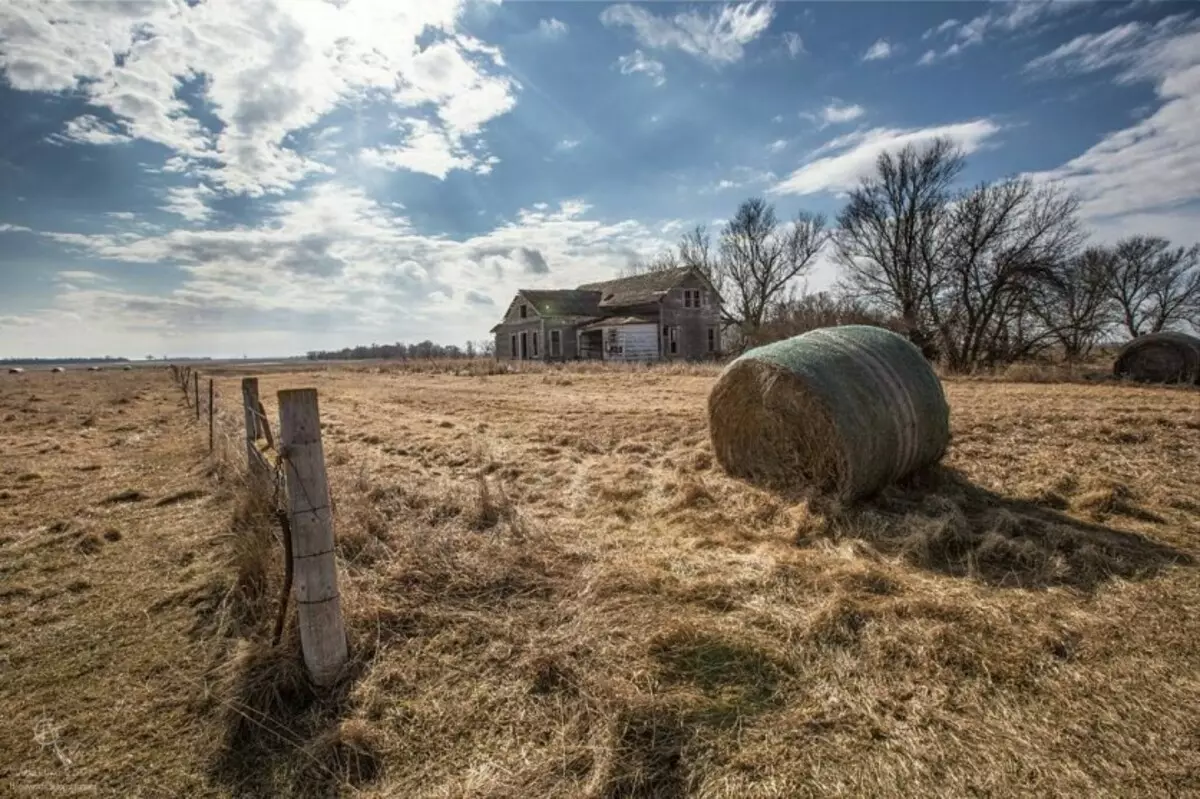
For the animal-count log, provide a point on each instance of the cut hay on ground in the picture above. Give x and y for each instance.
(843, 410)
(1160, 358)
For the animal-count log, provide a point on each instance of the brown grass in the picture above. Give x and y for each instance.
(551, 591)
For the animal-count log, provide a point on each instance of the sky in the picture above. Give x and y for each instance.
(265, 177)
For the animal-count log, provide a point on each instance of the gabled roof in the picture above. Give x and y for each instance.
(563, 302)
(638, 289)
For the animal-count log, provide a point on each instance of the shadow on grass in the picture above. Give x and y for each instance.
(941, 521)
(283, 735)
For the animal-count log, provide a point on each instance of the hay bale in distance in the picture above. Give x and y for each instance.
(1160, 358)
(843, 410)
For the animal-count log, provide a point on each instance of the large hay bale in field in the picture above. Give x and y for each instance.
(845, 410)
(1160, 358)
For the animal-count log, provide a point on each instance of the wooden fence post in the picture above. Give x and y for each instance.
(196, 391)
(211, 412)
(254, 461)
(319, 607)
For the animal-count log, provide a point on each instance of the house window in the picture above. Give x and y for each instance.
(513, 350)
(673, 340)
(691, 298)
(524, 311)
(712, 339)
(535, 352)
(555, 343)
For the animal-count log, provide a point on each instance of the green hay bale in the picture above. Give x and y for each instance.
(842, 410)
(1160, 358)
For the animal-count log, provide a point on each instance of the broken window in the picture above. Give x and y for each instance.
(712, 339)
(555, 343)
(535, 350)
(673, 340)
(513, 350)
(691, 298)
(524, 311)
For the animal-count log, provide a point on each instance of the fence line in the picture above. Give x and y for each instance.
(298, 488)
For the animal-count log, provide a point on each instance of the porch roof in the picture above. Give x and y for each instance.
(618, 321)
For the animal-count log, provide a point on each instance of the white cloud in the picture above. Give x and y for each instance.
(879, 50)
(1001, 18)
(427, 149)
(741, 177)
(857, 152)
(89, 129)
(794, 44)
(638, 62)
(717, 38)
(329, 266)
(837, 112)
(189, 202)
(7, 228)
(1119, 46)
(80, 276)
(263, 69)
(553, 28)
(949, 24)
(778, 145)
(1153, 165)
(567, 145)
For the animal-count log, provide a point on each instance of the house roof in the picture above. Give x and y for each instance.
(638, 289)
(563, 302)
(618, 321)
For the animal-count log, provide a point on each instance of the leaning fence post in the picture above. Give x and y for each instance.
(196, 391)
(211, 411)
(319, 608)
(254, 459)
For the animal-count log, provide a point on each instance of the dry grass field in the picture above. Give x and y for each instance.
(552, 591)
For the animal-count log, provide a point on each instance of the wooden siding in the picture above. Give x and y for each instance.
(543, 328)
(513, 314)
(635, 342)
(504, 342)
(692, 324)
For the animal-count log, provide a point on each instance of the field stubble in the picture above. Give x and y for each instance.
(551, 590)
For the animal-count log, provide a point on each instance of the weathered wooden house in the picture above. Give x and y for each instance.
(669, 315)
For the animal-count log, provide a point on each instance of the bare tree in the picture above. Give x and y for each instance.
(1000, 244)
(1155, 286)
(661, 262)
(760, 258)
(1076, 306)
(800, 312)
(889, 236)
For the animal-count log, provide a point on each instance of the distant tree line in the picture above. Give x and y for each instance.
(977, 277)
(400, 351)
(55, 361)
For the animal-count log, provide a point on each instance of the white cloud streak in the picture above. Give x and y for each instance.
(854, 155)
(718, 37)
(1153, 165)
(881, 49)
(637, 62)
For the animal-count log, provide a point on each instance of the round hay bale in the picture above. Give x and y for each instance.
(844, 410)
(1160, 358)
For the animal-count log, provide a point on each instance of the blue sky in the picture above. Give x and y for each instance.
(265, 177)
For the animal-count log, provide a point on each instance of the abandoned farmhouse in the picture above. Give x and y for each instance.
(673, 314)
